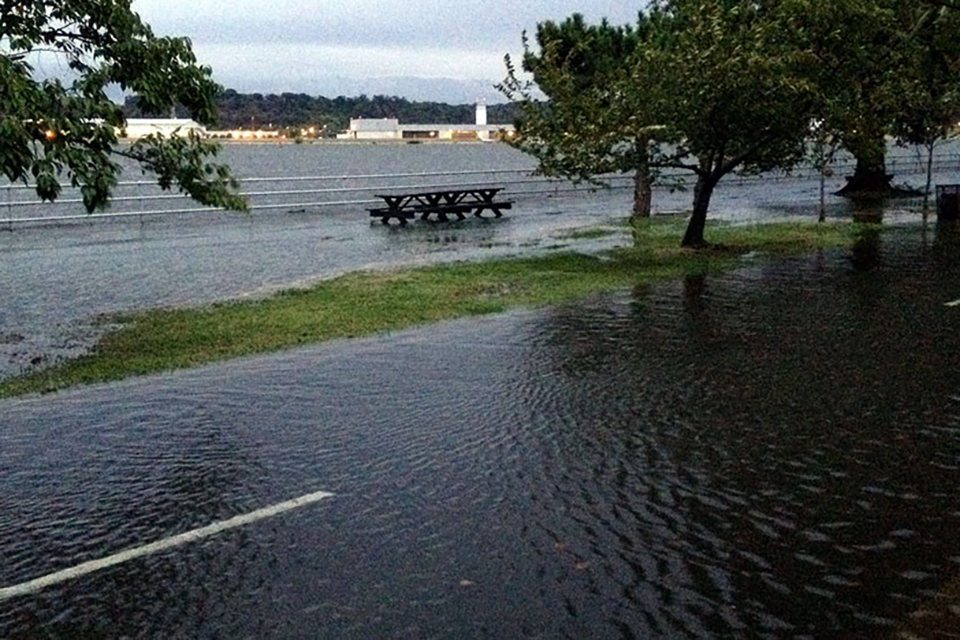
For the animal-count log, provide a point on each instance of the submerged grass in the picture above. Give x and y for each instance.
(589, 233)
(365, 303)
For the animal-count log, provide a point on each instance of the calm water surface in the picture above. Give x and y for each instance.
(770, 452)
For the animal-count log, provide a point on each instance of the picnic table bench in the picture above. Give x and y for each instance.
(441, 204)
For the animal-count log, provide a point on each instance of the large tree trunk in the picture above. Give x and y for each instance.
(870, 177)
(642, 183)
(698, 221)
(642, 193)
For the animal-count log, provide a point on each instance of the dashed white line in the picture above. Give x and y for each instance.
(955, 303)
(33, 586)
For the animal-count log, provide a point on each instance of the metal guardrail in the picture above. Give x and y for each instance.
(19, 203)
(302, 191)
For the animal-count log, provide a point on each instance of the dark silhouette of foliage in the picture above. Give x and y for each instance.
(55, 130)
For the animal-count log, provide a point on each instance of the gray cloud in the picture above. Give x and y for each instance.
(297, 45)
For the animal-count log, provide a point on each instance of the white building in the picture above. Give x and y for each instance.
(391, 129)
(372, 129)
(139, 127)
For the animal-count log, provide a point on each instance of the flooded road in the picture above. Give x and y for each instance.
(773, 451)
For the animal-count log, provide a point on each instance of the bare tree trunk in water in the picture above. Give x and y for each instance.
(642, 193)
(642, 183)
(823, 195)
(701, 203)
(870, 176)
(926, 190)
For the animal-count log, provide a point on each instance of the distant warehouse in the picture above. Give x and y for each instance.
(140, 127)
(391, 129)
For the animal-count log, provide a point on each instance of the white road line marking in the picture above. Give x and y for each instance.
(955, 303)
(43, 582)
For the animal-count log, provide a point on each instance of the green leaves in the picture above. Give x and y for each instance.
(711, 86)
(53, 132)
(733, 92)
(183, 161)
(720, 86)
(711, 82)
(593, 121)
(930, 99)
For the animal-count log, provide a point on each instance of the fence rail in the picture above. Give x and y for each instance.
(296, 193)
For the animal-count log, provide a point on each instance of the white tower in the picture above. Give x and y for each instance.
(481, 113)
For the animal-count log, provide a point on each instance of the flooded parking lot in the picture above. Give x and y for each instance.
(773, 451)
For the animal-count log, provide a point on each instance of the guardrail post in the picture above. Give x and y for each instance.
(9, 208)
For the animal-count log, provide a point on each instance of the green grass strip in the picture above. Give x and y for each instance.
(366, 303)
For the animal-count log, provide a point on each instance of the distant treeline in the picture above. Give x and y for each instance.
(298, 110)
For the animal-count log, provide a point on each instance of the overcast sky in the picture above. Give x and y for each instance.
(420, 49)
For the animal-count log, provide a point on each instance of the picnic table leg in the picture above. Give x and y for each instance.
(494, 209)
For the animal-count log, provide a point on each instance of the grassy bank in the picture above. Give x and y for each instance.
(366, 303)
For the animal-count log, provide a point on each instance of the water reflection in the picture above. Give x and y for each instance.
(870, 210)
(54, 280)
(427, 237)
(946, 246)
(866, 250)
(784, 459)
(772, 451)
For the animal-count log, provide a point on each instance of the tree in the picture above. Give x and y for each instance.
(880, 68)
(823, 150)
(594, 121)
(708, 86)
(931, 101)
(55, 130)
(729, 89)
(856, 52)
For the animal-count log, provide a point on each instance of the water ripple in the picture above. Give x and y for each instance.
(768, 452)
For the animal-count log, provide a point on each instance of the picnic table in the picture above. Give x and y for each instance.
(441, 203)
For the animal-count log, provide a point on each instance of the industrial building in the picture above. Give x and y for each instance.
(140, 127)
(391, 129)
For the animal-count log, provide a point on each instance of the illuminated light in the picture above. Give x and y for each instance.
(51, 134)
(313, 130)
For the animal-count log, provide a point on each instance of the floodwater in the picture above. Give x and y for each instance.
(56, 281)
(773, 451)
